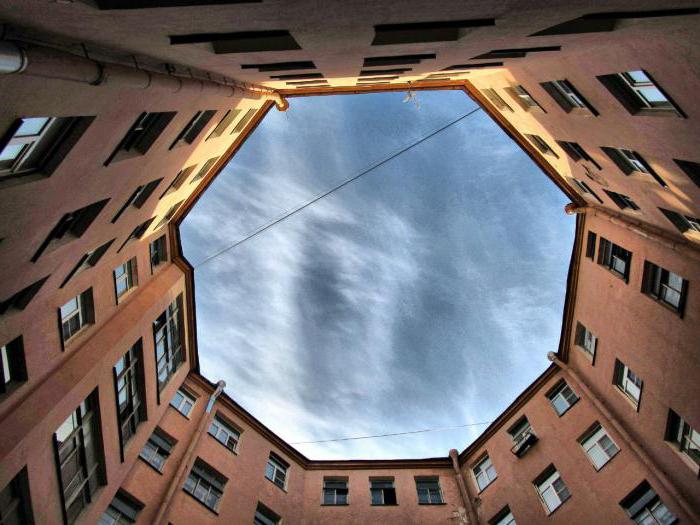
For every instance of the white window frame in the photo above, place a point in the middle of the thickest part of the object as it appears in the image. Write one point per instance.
(508, 519)
(224, 433)
(127, 278)
(558, 393)
(482, 470)
(186, 398)
(277, 467)
(599, 447)
(524, 429)
(334, 491)
(637, 89)
(547, 487)
(629, 385)
(432, 492)
(78, 312)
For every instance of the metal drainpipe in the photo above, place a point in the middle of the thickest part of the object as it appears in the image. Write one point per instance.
(46, 62)
(610, 420)
(185, 463)
(472, 518)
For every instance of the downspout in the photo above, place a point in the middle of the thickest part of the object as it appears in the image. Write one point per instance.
(183, 468)
(472, 518)
(46, 62)
(610, 420)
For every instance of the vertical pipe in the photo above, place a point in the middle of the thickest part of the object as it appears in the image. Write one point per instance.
(472, 518)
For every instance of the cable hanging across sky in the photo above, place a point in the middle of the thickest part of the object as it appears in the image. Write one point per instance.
(403, 149)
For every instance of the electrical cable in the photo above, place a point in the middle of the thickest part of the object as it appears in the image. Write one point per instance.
(392, 434)
(344, 183)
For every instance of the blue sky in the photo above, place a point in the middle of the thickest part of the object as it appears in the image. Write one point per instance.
(426, 294)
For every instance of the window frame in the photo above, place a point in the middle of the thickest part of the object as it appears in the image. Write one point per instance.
(547, 479)
(479, 464)
(541, 145)
(376, 488)
(429, 490)
(558, 392)
(130, 378)
(643, 498)
(569, 98)
(655, 279)
(169, 329)
(680, 435)
(228, 429)
(141, 135)
(160, 445)
(278, 465)
(187, 397)
(13, 366)
(609, 253)
(586, 341)
(84, 312)
(622, 89)
(621, 380)
(211, 480)
(328, 490)
(592, 438)
(129, 277)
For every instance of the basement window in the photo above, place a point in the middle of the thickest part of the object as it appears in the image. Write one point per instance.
(639, 94)
(568, 97)
(21, 299)
(484, 473)
(598, 446)
(496, 99)
(551, 489)
(194, 127)
(13, 369)
(205, 484)
(138, 198)
(276, 470)
(586, 341)
(141, 136)
(562, 398)
(224, 123)
(628, 383)
(541, 145)
(88, 260)
(38, 144)
(643, 506)
(425, 31)
(71, 226)
(614, 258)
(622, 201)
(76, 315)
(683, 436)
(123, 509)
(668, 288)
(382, 491)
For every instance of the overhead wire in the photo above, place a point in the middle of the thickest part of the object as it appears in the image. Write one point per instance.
(284, 216)
(352, 438)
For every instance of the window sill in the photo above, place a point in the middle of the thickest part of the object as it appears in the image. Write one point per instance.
(635, 404)
(213, 511)
(124, 296)
(188, 418)
(658, 112)
(616, 274)
(587, 354)
(383, 504)
(432, 504)
(695, 467)
(77, 335)
(334, 504)
(158, 267)
(150, 466)
(667, 306)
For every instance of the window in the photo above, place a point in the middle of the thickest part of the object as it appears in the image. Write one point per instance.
(71, 226)
(639, 94)
(644, 507)
(504, 517)
(224, 123)
(131, 390)
(88, 260)
(125, 277)
(15, 502)
(205, 484)
(138, 198)
(614, 258)
(523, 98)
(523, 437)
(179, 180)
(141, 136)
(684, 223)
(276, 470)
(429, 492)
(665, 286)
(224, 432)
(417, 32)
(541, 145)
(683, 436)
(39, 144)
(79, 457)
(622, 201)
(21, 299)
(628, 382)
(244, 120)
(123, 509)
(691, 169)
(204, 169)
(382, 491)
(598, 445)
(157, 449)
(76, 314)
(167, 335)
(194, 128)
(169, 215)
(137, 232)
(264, 516)
(496, 99)
(584, 188)
(568, 97)
(630, 162)
(243, 42)
(562, 397)
(484, 473)
(13, 369)
(551, 489)
(577, 153)
(585, 340)
(590, 245)
(183, 402)
(335, 491)
(158, 251)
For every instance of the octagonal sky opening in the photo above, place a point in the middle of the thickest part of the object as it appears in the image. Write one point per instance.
(425, 294)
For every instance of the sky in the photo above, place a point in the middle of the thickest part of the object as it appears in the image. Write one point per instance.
(426, 294)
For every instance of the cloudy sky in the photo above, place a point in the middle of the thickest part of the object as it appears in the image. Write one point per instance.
(424, 295)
